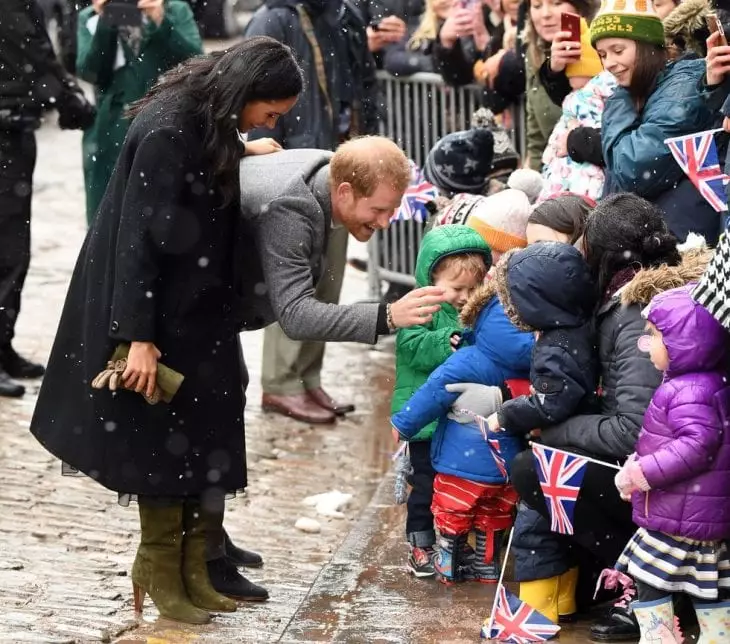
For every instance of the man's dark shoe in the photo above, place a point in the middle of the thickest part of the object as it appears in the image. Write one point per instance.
(300, 407)
(618, 625)
(229, 582)
(240, 557)
(18, 367)
(324, 400)
(8, 387)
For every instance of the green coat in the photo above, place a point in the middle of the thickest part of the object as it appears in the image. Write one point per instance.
(176, 39)
(541, 116)
(421, 349)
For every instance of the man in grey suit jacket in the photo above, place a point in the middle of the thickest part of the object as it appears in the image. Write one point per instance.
(291, 201)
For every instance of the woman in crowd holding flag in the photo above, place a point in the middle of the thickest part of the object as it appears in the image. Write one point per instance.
(656, 100)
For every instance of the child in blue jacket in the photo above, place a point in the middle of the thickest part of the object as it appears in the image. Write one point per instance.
(471, 489)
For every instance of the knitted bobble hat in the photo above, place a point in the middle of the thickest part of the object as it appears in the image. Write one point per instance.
(630, 19)
(461, 161)
(589, 64)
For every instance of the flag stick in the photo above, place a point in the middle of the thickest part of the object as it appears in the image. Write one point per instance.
(585, 458)
(499, 583)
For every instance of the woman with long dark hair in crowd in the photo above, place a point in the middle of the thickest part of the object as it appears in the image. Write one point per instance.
(157, 272)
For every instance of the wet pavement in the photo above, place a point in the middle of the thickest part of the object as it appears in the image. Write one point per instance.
(66, 546)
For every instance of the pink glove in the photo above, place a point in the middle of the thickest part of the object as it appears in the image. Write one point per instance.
(630, 479)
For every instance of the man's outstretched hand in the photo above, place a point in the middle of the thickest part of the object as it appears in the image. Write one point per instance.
(417, 307)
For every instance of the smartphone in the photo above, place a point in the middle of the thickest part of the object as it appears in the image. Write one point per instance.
(122, 13)
(571, 22)
(375, 25)
(714, 24)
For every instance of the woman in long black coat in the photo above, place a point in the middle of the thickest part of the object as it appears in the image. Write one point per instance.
(157, 271)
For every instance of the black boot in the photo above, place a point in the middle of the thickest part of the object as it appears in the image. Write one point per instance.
(486, 561)
(228, 581)
(18, 367)
(240, 557)
(447, 563)
(8, 387)
(618, 625)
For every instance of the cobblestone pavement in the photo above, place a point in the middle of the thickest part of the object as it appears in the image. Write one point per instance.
(65, 545)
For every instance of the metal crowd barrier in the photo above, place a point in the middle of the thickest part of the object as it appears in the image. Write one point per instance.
(419, 110)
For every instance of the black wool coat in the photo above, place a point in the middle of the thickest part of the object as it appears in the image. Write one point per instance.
(157, 265)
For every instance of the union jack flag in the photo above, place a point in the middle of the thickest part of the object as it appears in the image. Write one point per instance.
(499, 460)
(515, 621)
(561, 475)
(417, 195)
(696, 154)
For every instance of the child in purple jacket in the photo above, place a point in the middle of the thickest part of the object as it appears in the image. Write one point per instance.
(679, 478)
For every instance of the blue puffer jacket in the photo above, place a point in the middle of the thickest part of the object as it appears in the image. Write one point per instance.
(637, 159)
(499, 352)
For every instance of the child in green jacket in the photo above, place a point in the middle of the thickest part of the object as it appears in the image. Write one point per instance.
(457, 259)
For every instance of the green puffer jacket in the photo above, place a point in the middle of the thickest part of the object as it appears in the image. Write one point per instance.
(421, 349)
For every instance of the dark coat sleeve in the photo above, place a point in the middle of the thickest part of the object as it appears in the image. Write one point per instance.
(456, 65)
(614, 435)
(510, 81)
(26, 44)
(584, 145)
(558, 382)
(398, 60)
(556, 85)
(146, 223)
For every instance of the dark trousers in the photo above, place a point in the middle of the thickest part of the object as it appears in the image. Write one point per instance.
(602, 522)
(17, 162)
(419, 520)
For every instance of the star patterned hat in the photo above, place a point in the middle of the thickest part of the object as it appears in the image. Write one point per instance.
(461, 161)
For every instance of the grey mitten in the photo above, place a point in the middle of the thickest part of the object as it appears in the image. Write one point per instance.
(480, 400)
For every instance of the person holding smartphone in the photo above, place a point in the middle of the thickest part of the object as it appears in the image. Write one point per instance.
(122, 48)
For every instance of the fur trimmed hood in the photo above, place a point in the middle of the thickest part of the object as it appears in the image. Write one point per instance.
(687, 22)
(649, 282)
(476, 302)
(499, 277)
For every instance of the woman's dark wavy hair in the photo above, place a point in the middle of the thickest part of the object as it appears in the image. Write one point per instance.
(564, 213)
(623, 231)
(215, 89)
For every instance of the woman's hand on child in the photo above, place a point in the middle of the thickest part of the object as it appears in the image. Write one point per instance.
(479, 400)
(718, 60)
(417, 307)
(141, 371)
(493, 423)
(262, 146)
(563, 51)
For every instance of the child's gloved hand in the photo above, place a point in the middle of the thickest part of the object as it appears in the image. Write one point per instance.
(630, 479)
(481, 400)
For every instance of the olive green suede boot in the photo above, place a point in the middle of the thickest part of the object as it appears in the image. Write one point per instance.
(157, 569)
(195, 569)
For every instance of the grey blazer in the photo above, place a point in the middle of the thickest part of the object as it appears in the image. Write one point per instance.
(286, 208)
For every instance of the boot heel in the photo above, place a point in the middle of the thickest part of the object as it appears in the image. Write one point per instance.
(139, 594)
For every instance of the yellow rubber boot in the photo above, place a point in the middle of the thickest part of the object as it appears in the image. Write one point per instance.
(566, 595)
(542, 595)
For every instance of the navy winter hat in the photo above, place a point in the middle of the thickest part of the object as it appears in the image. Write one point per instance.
(461, 161)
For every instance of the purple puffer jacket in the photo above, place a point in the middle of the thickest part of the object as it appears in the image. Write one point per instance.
(684, 445)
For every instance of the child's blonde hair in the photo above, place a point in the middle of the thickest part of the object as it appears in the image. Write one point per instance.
(472, 263)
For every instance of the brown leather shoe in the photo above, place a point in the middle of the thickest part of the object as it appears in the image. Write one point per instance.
(323, 399)
(300, 407)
